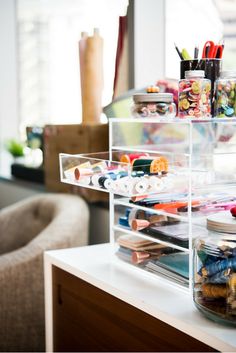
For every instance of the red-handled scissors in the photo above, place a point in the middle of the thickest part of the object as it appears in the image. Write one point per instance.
(212, 50)
(219, 51)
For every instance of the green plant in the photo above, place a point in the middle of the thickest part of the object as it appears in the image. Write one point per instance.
(16, 148)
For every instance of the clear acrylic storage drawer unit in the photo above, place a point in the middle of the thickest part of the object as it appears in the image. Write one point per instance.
(164, 179)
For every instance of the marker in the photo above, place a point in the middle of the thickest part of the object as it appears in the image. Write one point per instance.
(185, 55)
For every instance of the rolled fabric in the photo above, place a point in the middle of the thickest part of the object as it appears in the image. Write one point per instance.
(92, 78)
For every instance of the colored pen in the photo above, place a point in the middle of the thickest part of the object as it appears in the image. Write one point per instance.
(196, 51)
(178, 51)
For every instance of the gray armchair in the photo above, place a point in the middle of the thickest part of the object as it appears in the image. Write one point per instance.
(27, 229)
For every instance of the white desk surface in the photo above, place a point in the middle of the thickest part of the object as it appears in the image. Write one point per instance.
(95, 264)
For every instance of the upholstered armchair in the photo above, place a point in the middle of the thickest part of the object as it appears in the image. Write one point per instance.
(27, 229)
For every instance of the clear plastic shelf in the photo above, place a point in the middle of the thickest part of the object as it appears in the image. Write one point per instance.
(148, 174)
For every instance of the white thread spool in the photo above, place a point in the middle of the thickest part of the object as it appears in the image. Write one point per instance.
(155, 183)
(114, 186)
(122, 184)
(108, 183)
(95, 178)
(141, 185)
(84, 180)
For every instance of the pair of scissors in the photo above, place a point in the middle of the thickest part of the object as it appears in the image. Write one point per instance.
(212, 50)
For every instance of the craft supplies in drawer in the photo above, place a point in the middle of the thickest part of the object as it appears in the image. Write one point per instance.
(126, 174)
(155, 258)
(157, 225)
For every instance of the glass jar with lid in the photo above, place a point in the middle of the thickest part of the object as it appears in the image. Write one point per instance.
(194, 95)
(225, 102)
(153, 105)
(214, 287)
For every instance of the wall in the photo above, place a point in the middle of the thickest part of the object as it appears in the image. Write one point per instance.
(8, 71)
(149, 42)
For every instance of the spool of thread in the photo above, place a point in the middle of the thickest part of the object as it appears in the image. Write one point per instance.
(125, 185)
(141, 186)
(155, 183)
(82, 172)
(95, 178)
(102, 180)
(108, 184)
(139, 224)
(109, 176)
(231, 299)
(92, 78)
(85, 180)
(95, 168)
(214, 290)
(70, 173)
(139, 256)
(128, 158)
(151, 165)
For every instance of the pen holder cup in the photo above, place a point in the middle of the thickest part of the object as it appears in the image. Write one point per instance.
(212, 68)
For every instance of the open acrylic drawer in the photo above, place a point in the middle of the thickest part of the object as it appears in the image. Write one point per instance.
(146, 174)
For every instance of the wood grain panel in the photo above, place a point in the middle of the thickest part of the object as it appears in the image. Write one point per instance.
(88, 319)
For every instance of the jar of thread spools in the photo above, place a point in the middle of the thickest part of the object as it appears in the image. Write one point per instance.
(153, 105)
(225, 103)
(194, 95)
(214, 282)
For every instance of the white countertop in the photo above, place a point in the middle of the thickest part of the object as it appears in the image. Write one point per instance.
(95, 264)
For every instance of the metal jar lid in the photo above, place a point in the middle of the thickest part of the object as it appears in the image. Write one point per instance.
(194, 73)
(228, 74)
(153, 97)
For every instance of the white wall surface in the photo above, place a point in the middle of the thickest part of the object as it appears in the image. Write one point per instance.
(149, 42)
(8, 72)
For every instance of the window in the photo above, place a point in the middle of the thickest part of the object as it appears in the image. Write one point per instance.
(48, 61)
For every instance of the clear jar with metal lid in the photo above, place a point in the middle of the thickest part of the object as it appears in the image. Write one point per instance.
(225, 101)
(194, 95)
(214, 287)
(153, 105)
